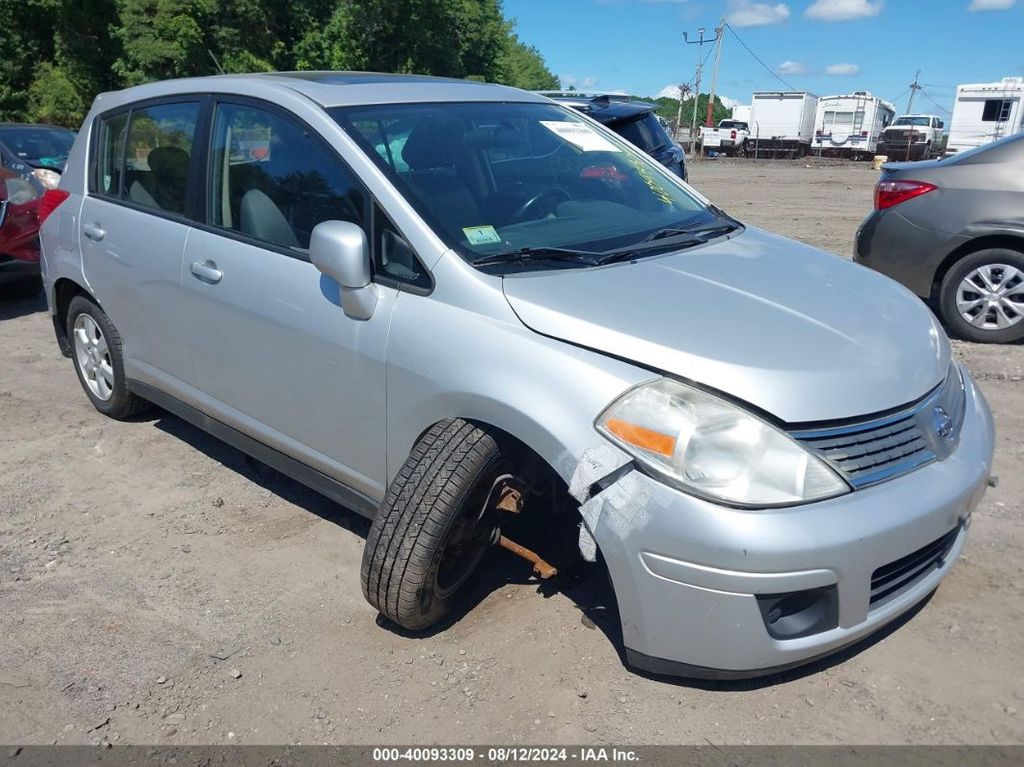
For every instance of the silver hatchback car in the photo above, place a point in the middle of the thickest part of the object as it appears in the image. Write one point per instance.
(443, 303)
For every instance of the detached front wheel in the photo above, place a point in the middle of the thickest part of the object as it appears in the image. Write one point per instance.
(433, 527)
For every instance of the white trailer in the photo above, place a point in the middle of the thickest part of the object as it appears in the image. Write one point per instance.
(782, 123)
(985, 112)
(741, 113)
(850, 125)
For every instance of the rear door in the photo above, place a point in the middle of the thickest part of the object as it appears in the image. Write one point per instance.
(134, 225)
(275, 355)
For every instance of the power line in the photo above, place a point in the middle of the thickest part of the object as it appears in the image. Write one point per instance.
(767, 68)
(937, 105)
(893, 101)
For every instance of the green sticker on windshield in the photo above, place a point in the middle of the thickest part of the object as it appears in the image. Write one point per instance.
(481, 235)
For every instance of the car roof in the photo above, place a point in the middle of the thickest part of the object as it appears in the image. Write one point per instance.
(606, 110)
(328, 89)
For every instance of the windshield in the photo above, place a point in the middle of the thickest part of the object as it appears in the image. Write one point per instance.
(921, 121)
(38, 145)
(495, 178)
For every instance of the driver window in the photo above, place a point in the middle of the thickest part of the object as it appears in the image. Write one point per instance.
(273, 181)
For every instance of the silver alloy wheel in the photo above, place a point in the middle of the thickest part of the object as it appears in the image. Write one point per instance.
(992, 297)
(93, 357)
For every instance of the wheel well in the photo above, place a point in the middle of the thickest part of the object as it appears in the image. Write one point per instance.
(63, 291)
(981, 243)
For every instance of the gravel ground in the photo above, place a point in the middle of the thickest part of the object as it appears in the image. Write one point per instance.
(158, 589)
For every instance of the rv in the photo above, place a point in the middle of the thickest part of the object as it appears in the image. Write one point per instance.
(782, 123)
(851, 125)
(985, 112)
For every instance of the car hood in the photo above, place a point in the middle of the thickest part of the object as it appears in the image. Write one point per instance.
(799, 333)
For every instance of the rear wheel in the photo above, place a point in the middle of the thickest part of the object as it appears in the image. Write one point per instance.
(982, 296)
(434, 526)
(96, 351)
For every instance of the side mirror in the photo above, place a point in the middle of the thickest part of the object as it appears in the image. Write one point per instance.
(941, 124)
(339, 250)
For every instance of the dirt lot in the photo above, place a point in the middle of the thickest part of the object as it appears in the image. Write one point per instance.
(155, 588)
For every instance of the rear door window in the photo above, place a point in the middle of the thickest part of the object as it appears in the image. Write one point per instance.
(110, 161)
(159, 152)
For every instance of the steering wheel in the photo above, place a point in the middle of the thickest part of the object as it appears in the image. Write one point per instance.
(553, 196)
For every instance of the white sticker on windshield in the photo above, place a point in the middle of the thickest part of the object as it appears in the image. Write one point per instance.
(481, 235)
(580, 135)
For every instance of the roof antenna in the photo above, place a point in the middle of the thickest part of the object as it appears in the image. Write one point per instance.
(220, 69)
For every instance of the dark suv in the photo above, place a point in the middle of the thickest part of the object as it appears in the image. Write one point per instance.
(635, 121)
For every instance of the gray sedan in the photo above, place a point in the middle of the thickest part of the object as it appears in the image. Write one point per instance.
(952, 230)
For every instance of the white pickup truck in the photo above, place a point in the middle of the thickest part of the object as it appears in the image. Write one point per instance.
(730, 138)
(913, 137)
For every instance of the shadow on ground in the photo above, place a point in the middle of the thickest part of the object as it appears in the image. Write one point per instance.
(586, 584)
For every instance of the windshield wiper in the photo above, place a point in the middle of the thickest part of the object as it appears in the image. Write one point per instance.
(540, 254)
(696, 235)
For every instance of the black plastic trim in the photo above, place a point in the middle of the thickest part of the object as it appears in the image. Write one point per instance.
(300, 472)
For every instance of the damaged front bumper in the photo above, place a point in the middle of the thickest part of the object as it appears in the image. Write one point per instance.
(707, 591)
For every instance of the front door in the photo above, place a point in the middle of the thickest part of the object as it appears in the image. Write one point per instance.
(275, 355)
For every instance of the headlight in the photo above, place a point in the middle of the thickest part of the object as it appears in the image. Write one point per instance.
(715, 449)
(48, 178)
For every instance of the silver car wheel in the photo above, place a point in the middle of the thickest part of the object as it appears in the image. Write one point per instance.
(93, 357)
(992, 297)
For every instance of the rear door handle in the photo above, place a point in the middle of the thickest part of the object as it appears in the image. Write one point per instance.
(206, 272)
(94, 232)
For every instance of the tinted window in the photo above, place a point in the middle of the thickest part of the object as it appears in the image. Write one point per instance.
(271, 180)
(645, 133)
(160, 142)
(110, 162)
(996, 110)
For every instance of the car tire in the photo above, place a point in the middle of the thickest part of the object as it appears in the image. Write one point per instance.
(970, 271)
(430, 534)
(99, 363)
(22, 289)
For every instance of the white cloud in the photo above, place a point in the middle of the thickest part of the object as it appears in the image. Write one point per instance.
(843, 10)
(567, 80)
(744, 13)
(671, 92)
(842, 69)
(588, 82)
(991, 5)
(728, 102)
(792, 68)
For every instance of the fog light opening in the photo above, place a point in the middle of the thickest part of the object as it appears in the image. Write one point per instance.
(798, 614)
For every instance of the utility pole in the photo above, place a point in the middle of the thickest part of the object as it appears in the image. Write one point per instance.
(696, 92)
(914, 88)
(683, 90)
(719, 36)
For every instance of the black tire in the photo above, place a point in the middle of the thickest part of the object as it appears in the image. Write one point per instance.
(947, 297)
(28, 287)
(412, 570)
(122, 403)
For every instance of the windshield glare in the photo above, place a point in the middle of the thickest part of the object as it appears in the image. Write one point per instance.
(49, 146)
(495, 178)
(921, 121)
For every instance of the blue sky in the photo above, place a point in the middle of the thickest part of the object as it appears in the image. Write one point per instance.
(823, 46)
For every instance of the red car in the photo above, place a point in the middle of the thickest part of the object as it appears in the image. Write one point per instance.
(19, 236)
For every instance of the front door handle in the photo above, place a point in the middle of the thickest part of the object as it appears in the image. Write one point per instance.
(206, 272)
(94, 232)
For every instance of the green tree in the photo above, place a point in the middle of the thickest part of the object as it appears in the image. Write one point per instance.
(522, 66)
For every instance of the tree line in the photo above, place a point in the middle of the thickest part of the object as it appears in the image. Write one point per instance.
(56, 55)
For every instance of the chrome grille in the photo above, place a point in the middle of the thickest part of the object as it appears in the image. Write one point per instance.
(871, 454)
(873, 450)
